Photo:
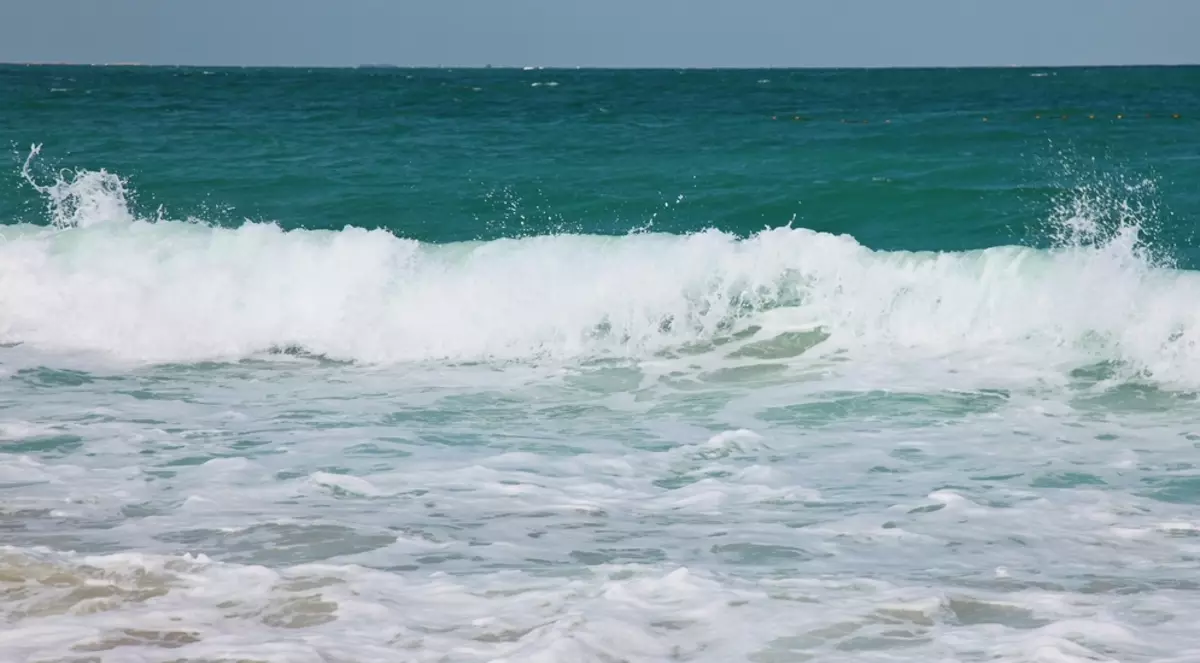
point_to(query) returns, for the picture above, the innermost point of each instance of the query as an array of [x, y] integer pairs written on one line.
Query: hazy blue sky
[[670, 33]]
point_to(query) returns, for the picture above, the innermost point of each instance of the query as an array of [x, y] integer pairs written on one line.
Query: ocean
[[376, 365]]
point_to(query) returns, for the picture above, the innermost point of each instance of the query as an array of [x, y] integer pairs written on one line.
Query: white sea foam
[[103, 281], [797, 448], [155, 608]]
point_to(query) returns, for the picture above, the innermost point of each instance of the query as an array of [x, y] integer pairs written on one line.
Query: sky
[[604, 33]]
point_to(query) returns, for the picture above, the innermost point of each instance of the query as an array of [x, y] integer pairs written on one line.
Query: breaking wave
[[101, 280]]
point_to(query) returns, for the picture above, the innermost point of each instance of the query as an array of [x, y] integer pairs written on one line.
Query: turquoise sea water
[[549, 365]]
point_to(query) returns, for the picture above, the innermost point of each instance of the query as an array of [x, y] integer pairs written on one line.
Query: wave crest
[[178, 291]]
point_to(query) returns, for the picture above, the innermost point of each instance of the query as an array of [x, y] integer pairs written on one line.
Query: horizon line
[[428, 67]]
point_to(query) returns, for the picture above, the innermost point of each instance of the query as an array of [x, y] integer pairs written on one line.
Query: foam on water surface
[[252, 444], [103, 282], [194, 609], [388, 513]]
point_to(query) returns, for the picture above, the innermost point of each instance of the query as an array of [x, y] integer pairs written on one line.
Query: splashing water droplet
[[80, 198]]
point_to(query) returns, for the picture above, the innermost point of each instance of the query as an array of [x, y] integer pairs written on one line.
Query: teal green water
[[379, 365], [443, 155]]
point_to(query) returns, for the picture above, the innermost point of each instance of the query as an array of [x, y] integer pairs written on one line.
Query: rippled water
[[609, 511], [266, 441]]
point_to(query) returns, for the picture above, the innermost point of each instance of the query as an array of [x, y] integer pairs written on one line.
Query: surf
[[96, 278]]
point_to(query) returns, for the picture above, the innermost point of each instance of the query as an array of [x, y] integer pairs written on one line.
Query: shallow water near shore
[[446, 366]]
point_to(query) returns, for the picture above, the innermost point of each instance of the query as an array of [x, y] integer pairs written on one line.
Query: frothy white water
[[104, 282], [780, 545], [806, 451], [151, 608]]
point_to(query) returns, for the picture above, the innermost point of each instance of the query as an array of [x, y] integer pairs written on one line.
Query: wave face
[[101, 280]]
